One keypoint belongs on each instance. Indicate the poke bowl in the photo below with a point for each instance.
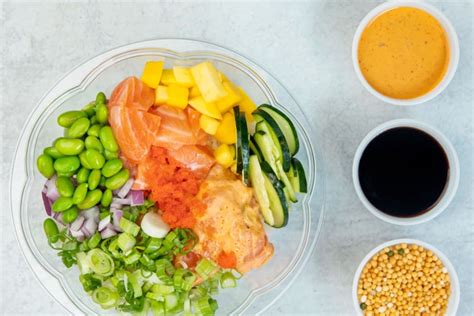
(293, 244)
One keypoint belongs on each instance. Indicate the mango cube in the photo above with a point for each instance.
(207, 79)
(224, 155)
(183, 76)
(152, 73)
(222, 77)
(206, 108)
(167, 77)
(177, 96)
(230, 100)
(227, 131)
(246, 105)
(161, 95)
(194, 92)
(208, 124)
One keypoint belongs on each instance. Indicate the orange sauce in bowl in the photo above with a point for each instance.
(403, 53)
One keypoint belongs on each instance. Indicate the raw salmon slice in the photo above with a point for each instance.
(196, 158)
(202, 138)
(175, 130)
(133, 93)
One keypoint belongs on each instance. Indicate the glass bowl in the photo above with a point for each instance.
(293, 244)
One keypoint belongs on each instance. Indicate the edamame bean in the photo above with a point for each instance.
(107, 138)
(89, 109)
(94, 158)
(70, 215)
(93, 142)
(94, 120)
(116, 181)
(94, 179)
(110, 155)
(82, 175)
(45, 165)
(100, 98)
(83, 160)
(67, 164)
(66, 174)
(102, 181)
(80, 193)
(79, 127)
(65, 186)
(94, 130)
(111, 167)
(62, 203)
(106, 198)
(92, 198)
(101, 113)
(68, 118)
(53, 152)
(51, 230)
(69, 146)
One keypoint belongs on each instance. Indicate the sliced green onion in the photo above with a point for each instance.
(228, 280)
(83, 263)
(94, 240)
(205, 268)
(157, 308)
(183, 279)
(126, 242)
(133, 257)
(162, 289)
(171, 301)
(169, 241)
(164, 269)
(153, 245)
(114, 248)
(137, 289)
(155, 296)
(100, 262)
(90, 282)
(105, 297)
(129, 227)
(205, 306)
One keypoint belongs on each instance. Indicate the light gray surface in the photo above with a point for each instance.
(307, 46)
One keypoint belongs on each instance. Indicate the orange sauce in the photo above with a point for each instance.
(403, 53)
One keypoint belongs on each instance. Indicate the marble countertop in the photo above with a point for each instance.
(307, 46)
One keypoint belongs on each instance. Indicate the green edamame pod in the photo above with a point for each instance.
(69, 146)
(94, 240)
(70, 215)
(110, 155)
(62, 203)
(45, 165)
(52, 152)
(107, 138)
(100, 98)
(106, 198)
(89, 109)
(65, 186)
(94, 130)
(80, 193)
(101, 113)
(67, 164)
(68, 118)
(82, 175)
(116, 181)
(93, 142)
(94, 179)
(92, 198)
(79, 127)
(83, 160)
(51, 230)
(94, 158)
(112, 167)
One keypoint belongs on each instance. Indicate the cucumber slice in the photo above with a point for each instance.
(285, 125)
(254, 149)
(289, 190)
(276, 195)
(242, 145)
(258, 183)
(277, 136)
(298, 180)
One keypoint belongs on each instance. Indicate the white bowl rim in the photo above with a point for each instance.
(454, 299)
(453, 177)
(452, 40)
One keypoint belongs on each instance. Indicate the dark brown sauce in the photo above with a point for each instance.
(403, 172)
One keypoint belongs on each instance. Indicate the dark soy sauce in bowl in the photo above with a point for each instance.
(403, 172)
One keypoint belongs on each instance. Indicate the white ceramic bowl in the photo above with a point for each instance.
(453, 175)
(453, 302)
(450, 34)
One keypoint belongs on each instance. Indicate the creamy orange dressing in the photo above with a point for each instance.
(403, 53)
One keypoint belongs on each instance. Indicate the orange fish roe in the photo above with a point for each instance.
(227, 260)
(173, 187)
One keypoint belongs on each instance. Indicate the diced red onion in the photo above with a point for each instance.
(47, 203)
(136, 197)
(107, 233)
(119, 201)
(122, 193)
(90, 227)
(52, 192)
(104, 222)
(92, 212)
(115, 206)
(79, 235)
(116, 216)
(77, 224)
(58, 217)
